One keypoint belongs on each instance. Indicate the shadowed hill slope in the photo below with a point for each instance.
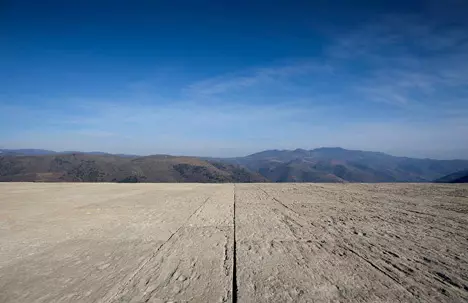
(458, 177)
(111, 168)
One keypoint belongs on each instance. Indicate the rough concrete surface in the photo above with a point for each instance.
(233, 242)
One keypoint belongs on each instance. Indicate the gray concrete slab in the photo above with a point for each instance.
(233, 243)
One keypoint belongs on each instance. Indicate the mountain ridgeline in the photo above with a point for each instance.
(317, 165)
(342, 165)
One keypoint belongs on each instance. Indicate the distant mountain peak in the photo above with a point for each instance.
(332, 148)
(330, 164)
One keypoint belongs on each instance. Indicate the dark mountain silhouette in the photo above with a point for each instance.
(111, 168)
(457, 177)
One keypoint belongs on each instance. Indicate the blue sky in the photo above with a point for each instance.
(218, 78)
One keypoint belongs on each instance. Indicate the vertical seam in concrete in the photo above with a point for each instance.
(121, 287)
(234, 255)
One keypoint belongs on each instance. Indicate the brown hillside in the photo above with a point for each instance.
(110, 168)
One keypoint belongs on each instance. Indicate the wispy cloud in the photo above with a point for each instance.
(181, 127)
(395, 60)
(269, 77)
(405, 59)
(399, 83)
(229, 130)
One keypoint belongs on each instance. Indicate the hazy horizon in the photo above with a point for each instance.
(223, 79)
(232, 154)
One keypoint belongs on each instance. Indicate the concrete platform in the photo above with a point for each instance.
(64, 242)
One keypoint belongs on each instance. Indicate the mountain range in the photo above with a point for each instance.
(317, 165)
(341, 165)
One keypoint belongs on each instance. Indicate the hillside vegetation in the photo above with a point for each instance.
(317, 165)
(111, 168)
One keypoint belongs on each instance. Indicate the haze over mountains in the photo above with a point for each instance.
(317, 165)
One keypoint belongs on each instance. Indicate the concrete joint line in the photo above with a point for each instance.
(234, 257)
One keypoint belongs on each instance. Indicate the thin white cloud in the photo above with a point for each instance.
(404, 60)
(271, 76)
(195, 129)
(413, 67)
(396, 60)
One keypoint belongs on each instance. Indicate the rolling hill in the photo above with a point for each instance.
(342, 165)
(457, 177)
(299, 165)
(111, 168)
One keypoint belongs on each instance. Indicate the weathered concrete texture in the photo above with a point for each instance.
(352, 243)
(115, 243)
(224, 243)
